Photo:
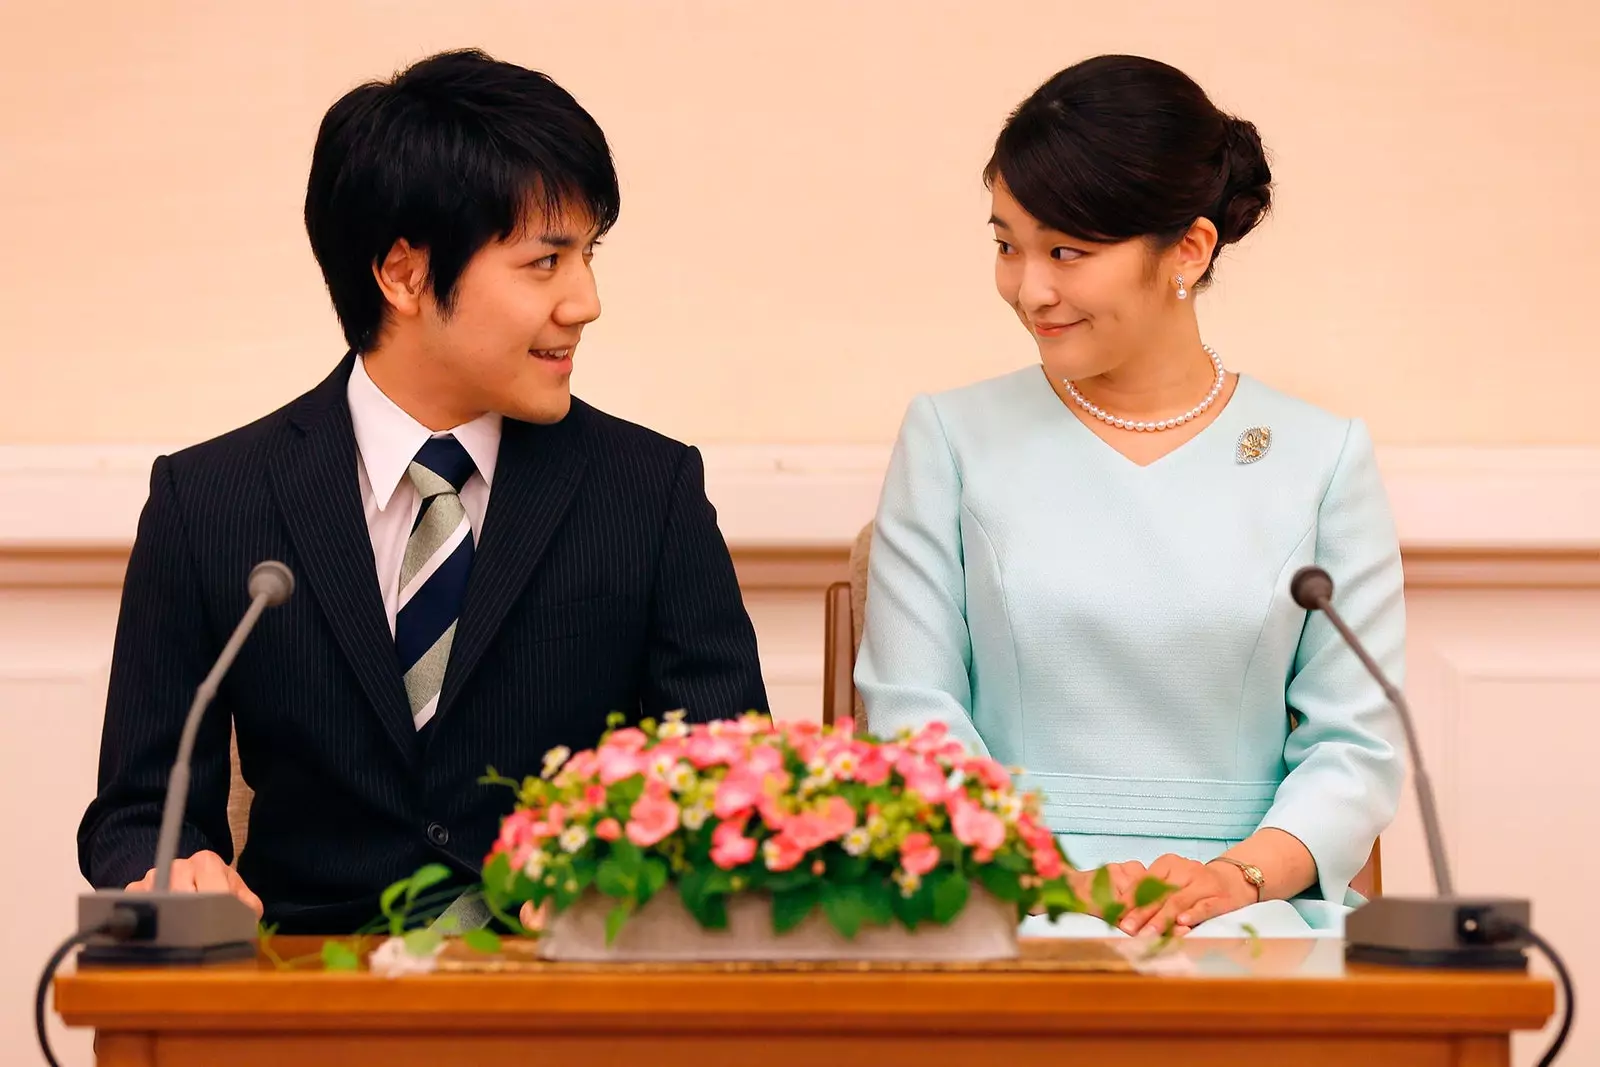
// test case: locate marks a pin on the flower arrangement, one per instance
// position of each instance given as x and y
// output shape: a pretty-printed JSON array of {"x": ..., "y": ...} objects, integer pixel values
[{"x": 872, "y": 832}]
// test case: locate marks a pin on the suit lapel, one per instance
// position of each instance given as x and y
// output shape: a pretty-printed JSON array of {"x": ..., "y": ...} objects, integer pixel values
[
  {"x": 315, "y": 481},
  {"x": 536, "y": 474}
]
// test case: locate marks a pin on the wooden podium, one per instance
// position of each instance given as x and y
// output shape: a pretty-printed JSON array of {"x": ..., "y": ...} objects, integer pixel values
[{"x": 1245, "y": 1005}]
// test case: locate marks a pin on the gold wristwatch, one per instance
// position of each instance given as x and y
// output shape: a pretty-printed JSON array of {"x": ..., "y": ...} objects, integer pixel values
[{"x": 1252, "y": 873}]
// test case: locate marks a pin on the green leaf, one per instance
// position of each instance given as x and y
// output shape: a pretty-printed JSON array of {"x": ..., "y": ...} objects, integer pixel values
[
  {"x": 949, "y": 896},
  {"x": 913, "y": 909},
  {"x": 448, "y": 924},
  {"x": 652, "y": 876},
  {"x": 790, "y": 908},
  {"x": 845, "y": 906},
  {"x": 1014, "y": 863},
  {"x": 423, "y": 941},
  {"x": 787, "y": 881},
  {"x": 338, "y": 956},
  {"x": 615, "y": 919},
  {"x": 484, "y": 941},
  {"x": 431, "y": 875},
  {"x": 1254, "y": 935},
  {"x": 844, "y": 867},
  {"x": 1112, "y": 913},
  {"x": 1100, "y": 891},
  {"x": 626, "y": 855},
  {"x": 392, "y": 894},
  {"x": 1149, "y": 891},
  {"x": 712, "y": 914},
  {"x": 1060, "y": 898},
  {"x": 1000, "y": 882},
  {"x": 877, "y": 896},
  {"x": 616, "y": 881},
  {"x": 718, "y": 880}
]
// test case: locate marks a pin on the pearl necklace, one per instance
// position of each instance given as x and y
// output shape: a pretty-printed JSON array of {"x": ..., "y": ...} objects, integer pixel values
[{"x": 1165, "y": 424}]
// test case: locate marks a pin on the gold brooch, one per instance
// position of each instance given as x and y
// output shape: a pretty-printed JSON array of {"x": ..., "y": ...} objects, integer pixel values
[{"x": 1253, "y": 444}]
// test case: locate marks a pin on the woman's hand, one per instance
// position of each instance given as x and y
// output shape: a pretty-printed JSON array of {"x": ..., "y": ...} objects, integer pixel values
[
  {"x": 1203, "y": 891},
  {"x": 1125, "y": 877}
]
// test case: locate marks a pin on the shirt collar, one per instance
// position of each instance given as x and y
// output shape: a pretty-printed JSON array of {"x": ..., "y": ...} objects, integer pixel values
[{"x": 387, "y": 438}]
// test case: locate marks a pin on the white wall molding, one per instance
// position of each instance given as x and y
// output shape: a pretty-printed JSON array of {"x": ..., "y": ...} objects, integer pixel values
[{"x": 1510, "y": 499}]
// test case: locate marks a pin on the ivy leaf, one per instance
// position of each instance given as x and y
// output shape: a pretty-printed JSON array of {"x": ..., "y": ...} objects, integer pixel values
[
  {"x": 1113, "y": 912},
  {"x": 392, "y": 894},
  {"x": 843, "y": 904},
  {"x": 652, "y": 876},
  {"x": 949, "y": 896},
  {"x": 790, "y": 908},
  {"x": 429, "y": 876},
  {"x": 614, "y": 880},
  {"x": 423, "y": 941},
  {"x": 484, "y": 941},
  {"x": 1000, "y": 882},
  {"x": 1149, "y": 891},
  {"x": 1100, "y": 891},
  {"x": 878, "y": 897},
  {"x": 338, "y": 956},
  {"x": 614, "y": 920}
]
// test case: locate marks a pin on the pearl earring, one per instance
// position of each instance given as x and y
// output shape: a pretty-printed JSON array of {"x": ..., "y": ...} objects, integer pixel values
[{"x": 1183, "y": 294}]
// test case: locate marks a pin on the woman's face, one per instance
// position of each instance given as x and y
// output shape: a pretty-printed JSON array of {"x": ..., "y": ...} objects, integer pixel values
[{"x": 1088, "y": 306}]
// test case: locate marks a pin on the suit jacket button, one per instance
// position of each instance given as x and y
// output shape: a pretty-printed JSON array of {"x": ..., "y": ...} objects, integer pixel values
[{"x": 438, "y": 834}]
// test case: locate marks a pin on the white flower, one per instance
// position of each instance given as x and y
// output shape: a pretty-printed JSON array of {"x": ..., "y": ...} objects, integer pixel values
[
  {"x": 555, "y": 758},
  {"x": 877, "y": 826},
  {"x": 857, "y": 841},
  {"x": 695, "y": 816},
  {"x": 909, "y": 883},
  {"x": 844, "y": 765},
  {"x": 660, "y": 765},
  {"x": 535, "y": 865},
  {"x": 817, "y": 765},
  {"x": 674, "y": 728},
  {"x": 956, "y": 780},
  {"x": 1010, "y": 807},
  {"x": 574, "y": 837},
  {"x": 680, "y": 777},
  {"x": 392, "y": 959},
  {"x": 813, "y": 782}
]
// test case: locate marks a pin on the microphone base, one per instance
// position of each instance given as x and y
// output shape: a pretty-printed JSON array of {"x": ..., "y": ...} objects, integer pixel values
[
  {"x": 1459, "y": 933},
  {"x": 173, "y": 929}
]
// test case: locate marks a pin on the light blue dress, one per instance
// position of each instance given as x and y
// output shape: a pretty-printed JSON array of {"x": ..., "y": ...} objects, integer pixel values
[{"x": 1125, "y": 634}]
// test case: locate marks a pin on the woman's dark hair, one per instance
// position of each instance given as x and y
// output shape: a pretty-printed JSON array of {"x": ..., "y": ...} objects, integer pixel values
[
  {"x": 1118, "y": 147},
  {"x": 450, "y": 154}
]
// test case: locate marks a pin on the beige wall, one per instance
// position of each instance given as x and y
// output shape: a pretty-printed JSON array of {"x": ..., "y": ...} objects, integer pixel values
[{"x": 802, "y": 243}]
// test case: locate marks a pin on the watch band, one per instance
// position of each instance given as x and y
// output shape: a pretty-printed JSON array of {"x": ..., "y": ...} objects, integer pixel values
[{"x": 1252, "y": 873}]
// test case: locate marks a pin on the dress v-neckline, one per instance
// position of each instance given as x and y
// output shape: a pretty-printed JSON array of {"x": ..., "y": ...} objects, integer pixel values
[{"x": 1229, "y": 406}]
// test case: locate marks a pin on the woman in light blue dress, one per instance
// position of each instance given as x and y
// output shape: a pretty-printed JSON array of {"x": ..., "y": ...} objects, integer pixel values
[{"x": 1083, "y": 567}]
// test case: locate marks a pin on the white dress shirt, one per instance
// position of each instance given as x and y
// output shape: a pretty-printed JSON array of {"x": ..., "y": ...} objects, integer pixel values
[{"x": 387, "y": 440}]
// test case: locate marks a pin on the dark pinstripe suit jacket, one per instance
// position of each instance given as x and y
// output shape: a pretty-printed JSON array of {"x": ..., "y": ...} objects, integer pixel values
[{"x": 600, "y": 583}]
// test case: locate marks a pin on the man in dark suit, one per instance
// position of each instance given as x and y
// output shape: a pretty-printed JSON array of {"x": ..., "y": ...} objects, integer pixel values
[{"x": 487, "y": 566}]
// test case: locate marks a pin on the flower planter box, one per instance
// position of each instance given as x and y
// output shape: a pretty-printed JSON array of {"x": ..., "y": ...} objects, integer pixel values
[{"x": 986, "y": 929}]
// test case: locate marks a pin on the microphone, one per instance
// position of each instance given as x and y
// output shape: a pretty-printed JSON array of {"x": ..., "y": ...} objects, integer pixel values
[
  {"x": 1439, "y": 931},
  {"x": 186, "y": 927}
]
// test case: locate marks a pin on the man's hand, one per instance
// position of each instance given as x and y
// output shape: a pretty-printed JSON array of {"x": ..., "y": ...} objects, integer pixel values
[{"x": 203, "y": 872}]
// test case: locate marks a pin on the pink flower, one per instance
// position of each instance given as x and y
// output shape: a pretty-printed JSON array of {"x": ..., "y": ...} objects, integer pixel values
[
  {"x": 515, "y": 830},
  {"x": 989, "y": 772},
  {"x": 608, "y": 830},
  {"x": 764, "y": 759},
  {"x": 976, "y": 827},
  {"x": 595, "y": 796},
  {"x": 630, "y": 739},
  {"x": 812, "y": 829},
  {"x": 740, "y": 791},
  {"x": 781, "y": 853},
  {"x": 918, "y": 854},
  {"x": 1033, "y": 835},
  {"x": 872, "y": 766},
  {"x": 653, "y": 817},
  {"x": 923, "y": 776},
  {"x": 729, "y": 846},
  {"x": 619, "y": 763},
  {"x": 712, "y": 750},
  {"x": 772, "y": 813},
  {"x": 1047, "y": 861}
]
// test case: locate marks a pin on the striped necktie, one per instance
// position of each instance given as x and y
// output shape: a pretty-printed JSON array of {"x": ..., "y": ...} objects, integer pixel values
[{"x": 433, "y": 575}]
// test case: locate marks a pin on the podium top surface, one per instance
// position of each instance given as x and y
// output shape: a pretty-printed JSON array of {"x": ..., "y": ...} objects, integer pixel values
[{"x": 1283, "y": 986}]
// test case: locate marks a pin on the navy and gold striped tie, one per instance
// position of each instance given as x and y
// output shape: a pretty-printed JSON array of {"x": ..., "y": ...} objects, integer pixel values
[{"x": 433, "y": 575}]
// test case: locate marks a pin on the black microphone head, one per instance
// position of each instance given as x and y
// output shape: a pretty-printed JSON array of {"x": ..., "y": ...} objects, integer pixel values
[
  {"x": 272, "y": 580},
  {"x": 1311, "y": 587}
]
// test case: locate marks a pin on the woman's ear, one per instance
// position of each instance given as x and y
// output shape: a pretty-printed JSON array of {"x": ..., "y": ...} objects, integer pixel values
[{"x": 1191, "y": 256}]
